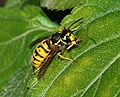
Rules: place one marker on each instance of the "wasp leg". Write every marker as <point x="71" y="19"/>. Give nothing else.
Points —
<point x="59" y="54"/>
<point x="69" y="47"/>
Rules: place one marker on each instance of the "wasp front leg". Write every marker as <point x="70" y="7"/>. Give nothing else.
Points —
<point x="66" y="58"/>
<point x="62" y="49"/>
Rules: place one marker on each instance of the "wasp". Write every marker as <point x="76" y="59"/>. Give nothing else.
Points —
<point x="48" y="47"/>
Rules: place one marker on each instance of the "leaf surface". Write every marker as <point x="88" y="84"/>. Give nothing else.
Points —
<point x="95" y="71"/>
<point x="16" y="33"/>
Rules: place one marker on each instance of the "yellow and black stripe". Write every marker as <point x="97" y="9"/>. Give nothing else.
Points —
<point x="40" y="53"/>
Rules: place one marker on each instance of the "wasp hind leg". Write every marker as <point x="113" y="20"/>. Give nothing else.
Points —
<point x="66" y="58"/>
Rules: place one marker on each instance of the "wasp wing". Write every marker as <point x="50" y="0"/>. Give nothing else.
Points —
<point x="37" y="41"/>
<point x="53" y="52"/>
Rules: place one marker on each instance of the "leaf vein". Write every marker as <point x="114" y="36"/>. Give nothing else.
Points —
<point x="21" y="35"/>
<point x="99" y="75"/>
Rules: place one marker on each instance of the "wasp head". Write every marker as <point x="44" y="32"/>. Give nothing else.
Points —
<point x="70" y="39"/>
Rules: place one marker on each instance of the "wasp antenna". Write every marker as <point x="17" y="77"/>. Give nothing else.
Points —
<point x="75" y="22"/>
<point x="78" y="28"/>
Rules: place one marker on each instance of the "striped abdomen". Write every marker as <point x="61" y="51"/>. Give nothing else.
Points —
<point x="40" y="53"/>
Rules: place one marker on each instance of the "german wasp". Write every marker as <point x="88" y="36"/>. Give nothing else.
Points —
<point x="48" y="47"/>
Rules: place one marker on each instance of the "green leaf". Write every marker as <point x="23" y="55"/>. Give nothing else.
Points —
<point x="19" y="4"/>
<point x="60" y="4"/>
<point x="12" y="25"/>
<point x="95" y="71"/>
<point x="16" y="33"/>
<point x="30" y="11"/>
<point x="68" y="4"/>
<point x="95" y="58"/>
<point x="15" y="4"/>
<point x="93" y="62"/>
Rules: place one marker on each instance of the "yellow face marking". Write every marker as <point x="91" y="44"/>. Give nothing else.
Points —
<point x="72" y="37"/>
<point x="41" y="52"/>
<point x="44" y="44"/>
<point x="38" y="57"/>
<point x="74" y="42"/>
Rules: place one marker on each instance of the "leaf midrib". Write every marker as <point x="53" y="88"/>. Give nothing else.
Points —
<point x="21" y="35"/>
<point x="102" y="72"/>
